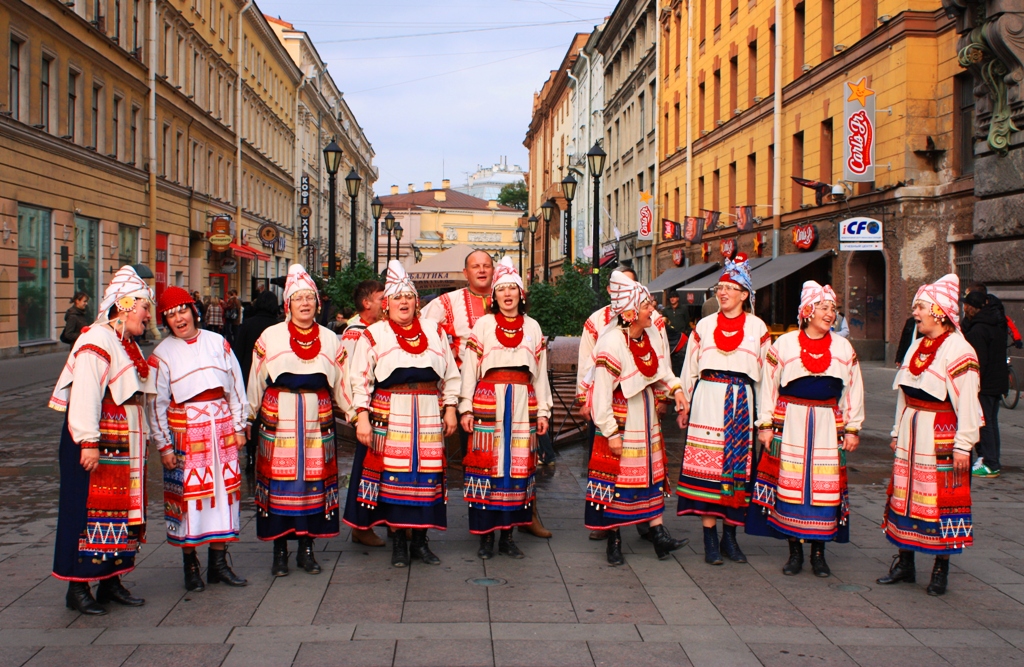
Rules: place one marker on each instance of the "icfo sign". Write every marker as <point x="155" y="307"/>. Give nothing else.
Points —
<point x="860" y="234"/>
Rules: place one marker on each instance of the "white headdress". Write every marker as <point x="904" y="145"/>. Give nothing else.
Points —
<point x="811" y="294"/>
<point x="505" y="273"/>
<point x="125" y="287"/>
<point x="627" y="295"/>
<point x="398" y="281"/>
<point x="298" y="280"/>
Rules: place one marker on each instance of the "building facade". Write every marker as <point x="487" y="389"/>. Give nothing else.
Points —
<point x="487" y="182"/>
<point x="586" y="109"/>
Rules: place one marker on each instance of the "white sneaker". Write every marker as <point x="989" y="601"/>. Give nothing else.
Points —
<point x="978" y="464"/>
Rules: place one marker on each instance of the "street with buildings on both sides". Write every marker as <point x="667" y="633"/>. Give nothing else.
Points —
<point x="561" y="605"/>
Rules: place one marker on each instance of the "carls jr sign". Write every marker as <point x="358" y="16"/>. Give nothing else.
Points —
<point x="859" y="132"/>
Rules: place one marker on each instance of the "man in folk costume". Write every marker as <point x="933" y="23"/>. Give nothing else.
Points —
<point x="722" y="374"/>
<point x="199" y="420"/>
<point x="505" y="403"/>
<point x="368" y="297"/>
<point x="404" y="385"/>
<point x="811" y="409"/>
<point x="595" y="324"/>
<point x="938" y="422"/>
<point x="626" y="472"/>
<point x="294" y="388"/>
<point x="103" y="388"/>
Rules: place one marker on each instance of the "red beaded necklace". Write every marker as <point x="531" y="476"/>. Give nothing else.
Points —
<point x="643" y="354"/>
<point x="925" y="354"/>
<point x="135" y="354"/>
<point x="729" y="332"/>
<point x="410" y="338"/>
<point x="509" y="330"/>
<point x="305" y="343"/>
<point x="816" y="355"/>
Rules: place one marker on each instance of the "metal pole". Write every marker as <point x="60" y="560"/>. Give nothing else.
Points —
<point x="547" y="250"/>
<point x="520" y="258"/>
<point x="398" y="249"/>
<point x="532" y="258"/>
<point x="389" y="251"/>
<point x="376" y="245"/>
<point x="352" y="242"/>
<point x="332" y="223"/>
<point x="595" y="279"/>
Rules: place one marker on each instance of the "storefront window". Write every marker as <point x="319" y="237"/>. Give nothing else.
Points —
<point x="87" y="261"/>
<point x="127" y="244"/>
<point x="33" y="274"/>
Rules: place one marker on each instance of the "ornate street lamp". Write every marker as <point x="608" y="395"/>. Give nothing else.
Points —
<point x="533" y="231"/>
<point x="520" y="234"/>
<point x="376" y="208"/>
<point x="332" y="160"/>
<point x="547" y="209"/>
<point x="569" y="191"/>
<point x="595" y="158"/>
<point x="389" y="223"/>
<point x="352" y="183"/>
<point x="398" y="241"/>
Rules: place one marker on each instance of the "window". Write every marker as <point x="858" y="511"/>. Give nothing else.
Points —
<point x="96" y="91"/>
<point x="700" y="108"/>
<point x="135" y="26"/>
<point x="703" y="20"/>
<point x="643" y="115"/>
<point x="799" y="36"/>
<point x="676" y="146"/>
<point x="700" y="194"/>
<point x="716" y="184"/>
<point x="964" y="121"/>
<point x="798" y="170"/>
<point x="734" y="75"/>
<point x="751" y="73"/>
<point x="14" y="94"/>
<point x="732" y="188"/>
<point x="962" y="260"/>
<point x="718" y="14"/>
<point x="72" y="106"/>
<point x="770" y="189"/>
<point x="115" y="127"/>
<point x="717" y="100"/>
<point x="825" y="151"/>
<point x="195" y="73"/>
<point x="771" y="60"/>
<point x="828" y="20"/>
<point x="165" y="171"/>
<point x="44" y="94"/>
<point x="34" y="298"/>
<point x="179" y="167"/>
<point x="230" y="31"/>
<point x="752" y="181"/>
<point x="868" y="16"/>
<point x="117" y="22"/>
<point x="127" y="244"/>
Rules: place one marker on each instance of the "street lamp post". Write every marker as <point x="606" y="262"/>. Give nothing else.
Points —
<point x="520" y="233"/>
<point x="352" y="183"/>
<point x="569" y="191"/>
<point x="533" y="230"/>
<point x="547" y="209"/>
<point x="332" y="160"/>
<point x="595" y="158"/>
<point x="389" y="222"/>
<point x="398" y="241"/>
<point x="376" y="208"/>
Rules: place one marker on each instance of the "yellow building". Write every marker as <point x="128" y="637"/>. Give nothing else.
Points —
<point x="729" y="138"/>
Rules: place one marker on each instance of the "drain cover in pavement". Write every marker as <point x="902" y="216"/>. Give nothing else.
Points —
<point x="487" y="581"/>
<point x="849" y="588"/>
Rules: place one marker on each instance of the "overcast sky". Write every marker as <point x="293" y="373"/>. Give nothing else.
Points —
<point x="447" y="101"/>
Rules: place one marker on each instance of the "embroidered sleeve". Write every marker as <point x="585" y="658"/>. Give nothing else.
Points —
<point x="852" y="400"/>
<point x="963" y="379"/>
<point x="258" y="376"/>
<point x="157" y="408"/>
<point x="606" y="375"/>
<point x="470" y="370"/>
<point x="769" y="394"/>
<point x="92" y="365"/>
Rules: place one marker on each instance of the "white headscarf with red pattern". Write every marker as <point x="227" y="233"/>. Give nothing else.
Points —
<point x="811" y="294"/>
<point x="298" y="280"/>
<point x="627" y="295"/>
<point x="505" y="273"/>
<point x="944" y="293"/>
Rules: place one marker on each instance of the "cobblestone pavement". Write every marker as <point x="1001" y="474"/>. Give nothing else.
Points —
<point x="562" y="605"/>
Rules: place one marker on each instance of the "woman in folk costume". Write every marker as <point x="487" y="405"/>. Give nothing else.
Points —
<point x="811" y="409"/>
<point x="504" y="404"/>
<point x="101" y="516"/>
<point x="405" y="389"/>
<point x="721" y="373"/>
<point x="938" y="422"/>
<point x="626" y="472"/>
<point x="199" y="422"/>
<point x="294" y="385"/>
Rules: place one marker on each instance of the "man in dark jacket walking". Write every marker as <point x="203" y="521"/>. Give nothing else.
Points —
<point x="985" y="329"/>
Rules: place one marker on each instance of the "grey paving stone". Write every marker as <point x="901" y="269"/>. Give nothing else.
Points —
<point x="448" y="652"/>
<point x="787" y="654"/>
<point x="846" y="636"/>
<point x="529" y="611"/>
<point x="1014" y="636"/>
<point x="685" y="606"/>
<point x="565" y="631"/>
<point x="293" y="600"/>
<point x="596" y="610"/>
<point x="373" y="653"/>
<point x="261" y="654"/>
<point x="952" y="637"/>
<point x="443" y="611"/>
<point x="702" y="654"/>
<point x="508" y="653"/>
<point x="423" y="631"/>
<point x="171" y="655"/>
<point x="16" y="656"/>
<point x="981" y="655"/>
<point x="687" y="634"/>
<point x="534" y="592"/>
<point x="165" y="635"/>
<point x="49" y="637"/>
<point x="887" y="656"/>
<point x="759" y="634"/>
<point x="630" y="654"/>
<point x="25" y="616"/>
<point x="291" y="633"/>
<point x="81" y="656"/>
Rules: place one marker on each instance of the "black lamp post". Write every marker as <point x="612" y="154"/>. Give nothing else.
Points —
<point x="520" y="233"/>
<point x="596" y="157"/>
<point x="398" y="241"/>
<point x="533" y="230"/>
<point x="332" y="160"/>
<point x="547" y="209"/>
<point x="376" y="208"/>
<point x="569" y="191"/>
<point x="389" y="222"/>
<point x="352" y="183"/>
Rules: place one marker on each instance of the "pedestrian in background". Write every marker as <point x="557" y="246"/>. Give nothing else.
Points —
<point x="907" y="336"/>
<point x="710" y="306"/>
<point x="197" y="298"/>
<point x="984" y="328"/>
<point x="215" y="316"/>
<point x="75" y="318"/>
<point x="232" y="315"/>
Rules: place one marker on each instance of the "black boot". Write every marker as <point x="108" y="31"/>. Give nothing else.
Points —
<point x="399" y="549"/>
<point x="486" y="550"/>
<point x="818" y="564"/>
<point x="644" y="531"/>
<point x="507" y="547"/>
<point x="730" y="546"/>
<point x="940" y="575"/>
<point x="111" y="590"/>
<point x="796" y="558"/>
<point x="193" y="571"/>
<point x="304" y="557"/>
<point x="280" y="566"/>
<point x="663" y="542"/>
<point x="615" y="548"/>
<point x="220" y="571"/>
<point x="421" y="549"/>
<point x="80" y="599"/>
<point x="902" y="569"/>
<point x="711" y="553"/>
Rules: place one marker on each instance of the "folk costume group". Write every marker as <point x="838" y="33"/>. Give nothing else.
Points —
<point x="407" y="381"/>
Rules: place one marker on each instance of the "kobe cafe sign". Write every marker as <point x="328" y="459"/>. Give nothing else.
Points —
<point x="860" y="234"/>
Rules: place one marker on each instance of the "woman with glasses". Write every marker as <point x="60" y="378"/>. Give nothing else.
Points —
<point x="294" y="386"/>
<point x="404" y="386"/>
<point x="721" y="376"/>
<point x="199" y="422"/>
<point x="810" y="412"/>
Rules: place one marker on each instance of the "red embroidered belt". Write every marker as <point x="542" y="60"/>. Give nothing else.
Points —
<point x="929" y="406"/>
<point x="208" y="395"/>
<point x="412" y="388"/>
<point x="810" y="402"/>
<point x="506" y="376"/>
<point x="724" y="377"/>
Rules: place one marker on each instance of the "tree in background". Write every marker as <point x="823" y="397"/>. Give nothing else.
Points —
<point x="514" y="195"/>
<point x="562" y="306"/>
<point x="342" y="286"/>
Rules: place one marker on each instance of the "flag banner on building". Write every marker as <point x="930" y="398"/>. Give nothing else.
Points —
<point x="693" y="229"/>
<point x="858" y="132"/>
<point x="670" y="231"/>
<point x="745" y="218"/>
<point x="820" y="189"/>
<point x="711" y="219"/>
<point x="645" y="217"/>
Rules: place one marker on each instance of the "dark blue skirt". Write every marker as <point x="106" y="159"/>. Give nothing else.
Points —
<point x="394" y="515"/>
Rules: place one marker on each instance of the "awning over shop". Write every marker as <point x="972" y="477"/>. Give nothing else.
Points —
<point x="679" y="275"/>
<point x="784" y="265"/>
<point x="442" y="270"/>
<point x="245" y="252"/>
<point x="702" y="285"/>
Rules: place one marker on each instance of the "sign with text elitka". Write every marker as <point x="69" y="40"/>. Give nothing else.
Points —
<point x="858" y="132"/>
<point x="860" y="234"/>
<point x="645" y="217"/>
